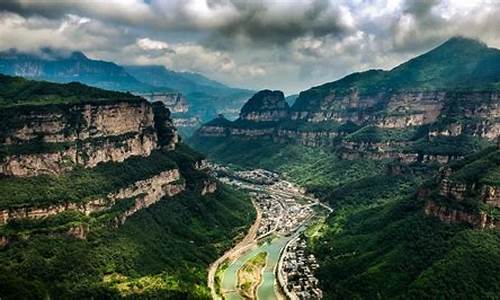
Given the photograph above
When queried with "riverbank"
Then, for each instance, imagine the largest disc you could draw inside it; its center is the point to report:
(250, 276)
(246, 243)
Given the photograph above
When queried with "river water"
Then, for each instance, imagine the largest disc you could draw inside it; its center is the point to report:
(266, 290)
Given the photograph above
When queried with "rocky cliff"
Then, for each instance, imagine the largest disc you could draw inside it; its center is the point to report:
(265, 106)
(55, 138)
(99, 157)
(468, 192)
(417, 109)
(175, 102)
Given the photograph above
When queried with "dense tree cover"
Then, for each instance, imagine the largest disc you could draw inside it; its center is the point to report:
(82, 184)
(458, 64)
(393, 250)
(17, 90)
(162, 251)
(379, 243)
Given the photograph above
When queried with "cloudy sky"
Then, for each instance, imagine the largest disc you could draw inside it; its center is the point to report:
(280, 44)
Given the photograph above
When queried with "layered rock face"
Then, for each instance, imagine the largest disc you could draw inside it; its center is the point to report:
(146, 192)
(405, 122)
(54, 138)
(458, 195)
(175, 102)
(265, 106)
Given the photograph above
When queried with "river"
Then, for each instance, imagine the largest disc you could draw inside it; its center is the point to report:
(266, 290)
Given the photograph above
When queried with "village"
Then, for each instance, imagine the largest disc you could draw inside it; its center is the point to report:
(285, 208)
(297, 271)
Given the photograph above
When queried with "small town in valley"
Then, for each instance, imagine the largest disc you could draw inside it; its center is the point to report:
(285, 211)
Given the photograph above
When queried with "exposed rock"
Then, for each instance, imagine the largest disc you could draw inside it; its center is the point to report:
(87, 153)
(201, 165)
(175, 102)
(84, 134)
(265, 106)
(307, 138)
(456, 216)
(209, 187)
(80, 231)
(150, 190)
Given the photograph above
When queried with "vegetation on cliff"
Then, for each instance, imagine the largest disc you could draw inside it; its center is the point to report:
(19, 91)
(162, 251)
(458, 64)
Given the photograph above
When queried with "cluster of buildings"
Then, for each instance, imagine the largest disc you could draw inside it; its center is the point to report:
(258, 176)
(297, 271)
(271, 211)
(284, 207)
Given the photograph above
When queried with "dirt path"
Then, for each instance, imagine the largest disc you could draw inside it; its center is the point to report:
(248, 241)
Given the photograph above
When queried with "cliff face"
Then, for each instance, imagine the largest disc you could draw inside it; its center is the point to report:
(468, 192)
(406, 125)
(55, 138)
(175, 102)
(438, 105)
(146, 192)
(265, 106)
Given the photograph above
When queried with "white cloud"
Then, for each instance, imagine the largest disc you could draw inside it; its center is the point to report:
(287, 45)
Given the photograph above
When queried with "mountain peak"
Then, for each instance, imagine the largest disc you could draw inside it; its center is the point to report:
(461, 44)
(463, 41)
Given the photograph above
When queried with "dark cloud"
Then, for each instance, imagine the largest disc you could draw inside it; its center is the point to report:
(280, 44)
(259, 25)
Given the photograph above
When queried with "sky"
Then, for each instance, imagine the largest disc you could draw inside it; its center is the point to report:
(289, 45)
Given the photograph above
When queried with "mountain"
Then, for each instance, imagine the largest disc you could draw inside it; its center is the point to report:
(421, 110)
(100, 199)
(60, 66)
(207, 97)
(184, 82)
(406, 157)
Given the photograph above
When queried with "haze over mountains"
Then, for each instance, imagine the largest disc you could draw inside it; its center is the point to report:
(206, 98)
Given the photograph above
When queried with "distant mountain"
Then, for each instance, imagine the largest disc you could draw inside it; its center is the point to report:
(184, 82)
(207, 97)
(60, 66)
(458, 64)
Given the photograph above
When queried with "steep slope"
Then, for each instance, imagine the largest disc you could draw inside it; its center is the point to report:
(59, 66)
(439, 106)
(416, 211)
(85, 174)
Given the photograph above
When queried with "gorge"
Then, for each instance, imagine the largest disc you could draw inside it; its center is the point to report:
(406, 157)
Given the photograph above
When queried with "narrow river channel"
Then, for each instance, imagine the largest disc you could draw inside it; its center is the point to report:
(266, 290)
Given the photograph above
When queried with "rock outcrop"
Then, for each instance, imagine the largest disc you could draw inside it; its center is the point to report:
(66, 130)
(175, 102)
(265, 106)
(54, 138)
(447, 214)
(146, 192)
(459, 195)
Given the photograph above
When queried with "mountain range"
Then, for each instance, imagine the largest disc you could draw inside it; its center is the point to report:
(206, 98)
(406, 157)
